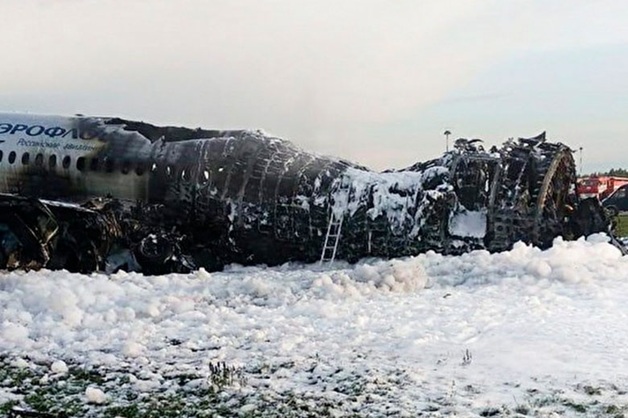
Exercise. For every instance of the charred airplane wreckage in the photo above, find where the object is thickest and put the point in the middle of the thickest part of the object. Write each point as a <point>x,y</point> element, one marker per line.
<point>97,194</point>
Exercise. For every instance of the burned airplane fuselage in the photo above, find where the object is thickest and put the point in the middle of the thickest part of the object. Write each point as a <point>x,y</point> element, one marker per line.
<point>81,192</point>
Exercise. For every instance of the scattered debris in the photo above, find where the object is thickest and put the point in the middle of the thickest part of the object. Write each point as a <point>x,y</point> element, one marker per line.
<point>23,413</point>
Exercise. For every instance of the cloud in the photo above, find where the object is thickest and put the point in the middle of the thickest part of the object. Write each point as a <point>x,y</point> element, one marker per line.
<point>320,72</point>
<point>346,63</point>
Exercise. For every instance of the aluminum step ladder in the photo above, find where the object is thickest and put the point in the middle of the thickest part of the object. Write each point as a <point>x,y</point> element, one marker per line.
<point>336,216</point>
<point>334,230</point>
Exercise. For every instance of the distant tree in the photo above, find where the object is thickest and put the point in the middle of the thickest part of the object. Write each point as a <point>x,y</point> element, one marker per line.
<point>619,172</point>
<point>615,172</point>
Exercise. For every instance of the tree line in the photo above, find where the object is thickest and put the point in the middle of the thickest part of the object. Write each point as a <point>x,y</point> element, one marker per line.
<point>613,172</point>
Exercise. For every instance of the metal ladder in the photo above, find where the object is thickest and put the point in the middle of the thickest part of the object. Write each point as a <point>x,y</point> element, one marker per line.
<point>333,231</point>
<point>336,216</point>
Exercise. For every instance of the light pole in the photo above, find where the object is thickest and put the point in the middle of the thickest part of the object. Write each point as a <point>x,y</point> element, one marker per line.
<point>447,133</point>
<point>581,161</point>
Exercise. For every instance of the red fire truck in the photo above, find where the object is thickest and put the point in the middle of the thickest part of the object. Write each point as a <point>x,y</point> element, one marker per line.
<point>599,186</point>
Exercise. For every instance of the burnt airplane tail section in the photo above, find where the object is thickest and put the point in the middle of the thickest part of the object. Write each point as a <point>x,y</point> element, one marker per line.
<point>131,195</point>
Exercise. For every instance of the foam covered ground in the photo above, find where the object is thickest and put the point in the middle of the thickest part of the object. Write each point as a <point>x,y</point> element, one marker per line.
<point>524,332</point>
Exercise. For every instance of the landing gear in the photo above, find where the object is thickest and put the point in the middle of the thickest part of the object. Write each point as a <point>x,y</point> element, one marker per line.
<point>154,250</point>
<point>160,253</point>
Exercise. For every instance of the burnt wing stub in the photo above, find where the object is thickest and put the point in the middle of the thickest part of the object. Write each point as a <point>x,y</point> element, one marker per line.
<point>162,199</point>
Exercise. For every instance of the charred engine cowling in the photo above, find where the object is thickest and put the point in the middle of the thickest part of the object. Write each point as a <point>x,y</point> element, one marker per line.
<point>162,199</point>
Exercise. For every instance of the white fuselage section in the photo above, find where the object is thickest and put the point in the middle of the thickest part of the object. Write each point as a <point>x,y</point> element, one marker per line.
<point>61,152</point>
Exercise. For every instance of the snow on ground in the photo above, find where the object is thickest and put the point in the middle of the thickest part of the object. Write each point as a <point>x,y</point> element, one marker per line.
<point>525,332</point>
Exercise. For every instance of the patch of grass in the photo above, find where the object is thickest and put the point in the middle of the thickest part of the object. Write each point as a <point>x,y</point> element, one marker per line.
<point>621,229</point>
<point>578,407</point>
<point>221,375</point>
<point>544,401</point>
<point>127,411</point>
<point>522,409</point>
<point>615,411</point>
<point>538,403</point>
<point>591,390</point>
<point>87,375</point>
<point>466,358</point>
<point>15,375</point>
<point>39,391</point>
<point>217,389</point>
<point>490,412</point>
<point>6,407</point>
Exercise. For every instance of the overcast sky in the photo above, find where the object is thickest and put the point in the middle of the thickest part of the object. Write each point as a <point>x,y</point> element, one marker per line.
<point>376,82</point>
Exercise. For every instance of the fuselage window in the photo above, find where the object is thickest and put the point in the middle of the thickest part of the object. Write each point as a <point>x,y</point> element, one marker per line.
<point>1,155</point>
<point>93,164</point>
<point>52,161</point>
<point>139,170</point>
<point>153,168</point>
<point>11,157</point>
<point>66,162</point>
<point>80,163</point>
<point>109,165</point>
<point>125,167</point>
<point>185,174</point>
<point>204,177</point>
<point>168,171</point>
<point>26,157</point>
<point>39,159</point>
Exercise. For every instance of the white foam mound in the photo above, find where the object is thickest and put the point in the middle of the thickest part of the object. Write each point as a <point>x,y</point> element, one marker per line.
<point>95,395</point>
<point>531,319</point>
